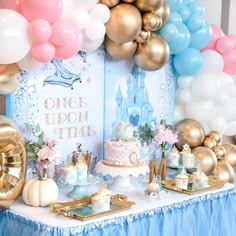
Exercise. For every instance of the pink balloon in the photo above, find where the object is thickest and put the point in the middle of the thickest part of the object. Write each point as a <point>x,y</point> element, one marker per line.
<point>217,33</point>
<point>230,69</point>
<point>43,52</point>
<point>14,5</point>
<point>39,31</point>
<point>224,44</point>
<point>71,48</point>
<point>62,32</point>
<point>233,39</point>
<point>49,10</point>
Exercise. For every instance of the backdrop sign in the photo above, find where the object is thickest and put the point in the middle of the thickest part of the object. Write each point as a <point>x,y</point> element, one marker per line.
<point>79,100</point>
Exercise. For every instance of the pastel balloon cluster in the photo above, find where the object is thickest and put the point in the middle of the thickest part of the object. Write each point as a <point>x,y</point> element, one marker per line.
<point>34,32</point>
<point>208,96</point>
<point>130,32</point>
<point>186,32</point>
<point>226,46</point>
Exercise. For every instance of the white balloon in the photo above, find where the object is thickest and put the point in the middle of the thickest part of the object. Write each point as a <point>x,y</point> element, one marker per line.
<point>230,129</point>
<point>90,45</point>
<point>28,63</point>
<point>67,9</point>
<point>100,12</point>
<point>228,110</point>
<point>183,95</point>
<point>212,61</point>
<point>95,30</point>
<point>184,81</point>
<point>217,124</point>
<point>81,18</point>
<point>178,113</point>
<point>85,4</point>
<point>205,86</point>
<point>14,41</point>
<point>204,111</point>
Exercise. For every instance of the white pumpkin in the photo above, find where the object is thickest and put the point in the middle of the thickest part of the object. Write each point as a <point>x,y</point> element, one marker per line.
<point>40,192</point>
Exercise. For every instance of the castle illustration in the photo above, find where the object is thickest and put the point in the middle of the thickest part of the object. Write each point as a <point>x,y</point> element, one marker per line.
<point>135,107</point>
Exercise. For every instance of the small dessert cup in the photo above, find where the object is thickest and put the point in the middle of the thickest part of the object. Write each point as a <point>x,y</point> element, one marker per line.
<point>100,204</point>
<point>181,181</point>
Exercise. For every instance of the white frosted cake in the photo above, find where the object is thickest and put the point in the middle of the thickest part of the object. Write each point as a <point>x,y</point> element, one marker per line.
<point>200,179</point>
<point>124,150</point>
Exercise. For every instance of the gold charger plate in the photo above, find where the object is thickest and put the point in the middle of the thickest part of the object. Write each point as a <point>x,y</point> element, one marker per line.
<point>81,209</point>
<point>213,183</point>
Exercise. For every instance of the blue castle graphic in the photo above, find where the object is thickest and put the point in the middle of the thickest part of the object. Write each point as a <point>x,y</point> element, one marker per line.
<point>136,107</point>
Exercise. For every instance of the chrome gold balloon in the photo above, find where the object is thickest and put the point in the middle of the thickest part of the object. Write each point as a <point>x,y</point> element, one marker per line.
<point>189,131</point>
<point>230,154</point>
<point>8,78</point>
<point>153,54</point>
<point>224,171</point>
<point>13,161</point>
<point>120,50</point>
<point>143,36</point>
<point>215,135</point>
<point>220,151</point>
<point>109,3</point>
<point>206,157</point>
<point>148,5</point>
<point>124,24</point>
<point>164,12</point>
<point>151,21</point>
<point>209,142</point>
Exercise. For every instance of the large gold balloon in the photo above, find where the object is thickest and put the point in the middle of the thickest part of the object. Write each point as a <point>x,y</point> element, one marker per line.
<point>128,1</point>
<point>189,131</point>
<point>224,171</point>
<point>124,24</point>
<point>8,78</point>
<point>151,21</point>
<point>230,154</point>
<point>164,12</point>
<point>206,157</point>
<point>13,161</point>
<point>148,5</point>
<point>109,3</point>
<point>153,54</point>
<point>120,50</point>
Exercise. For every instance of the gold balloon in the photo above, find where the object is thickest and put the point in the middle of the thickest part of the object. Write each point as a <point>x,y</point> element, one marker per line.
<point>110,3</point>
<point>153,54</point>
<point>124,24</point>
<point>164,12</point>
<point>230,154</point>
<point>224,171</point>
<point>13,161</point>
<point>209,142</point>
<point>128,1</point>
<point>148,5</point>
<point>206,157</point>
<point>143,36</point>
<point>8,78</point>
<point>120,50</point>
<point>219,151</point>
<point>215,135</point>
<point>151,21</point>
<point>189,131</point>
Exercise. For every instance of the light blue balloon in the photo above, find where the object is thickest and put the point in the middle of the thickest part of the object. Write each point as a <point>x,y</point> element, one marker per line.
<point>175,18</point>
<point>197,7</point>
<point>195,22</point>
<point>202,37</point>
<point>185,12</point>
<point>185,2</point>
<point>175,5</point>
<point>169,32</point>
<point>188,62</point>
<point>182,40</point>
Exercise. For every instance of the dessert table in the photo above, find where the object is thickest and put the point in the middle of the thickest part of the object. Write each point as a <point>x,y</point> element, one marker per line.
<point>176,214</point>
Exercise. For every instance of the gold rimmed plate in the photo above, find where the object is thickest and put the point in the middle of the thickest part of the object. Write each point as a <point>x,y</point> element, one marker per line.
<point>213,183</point>
<point>81,209</point>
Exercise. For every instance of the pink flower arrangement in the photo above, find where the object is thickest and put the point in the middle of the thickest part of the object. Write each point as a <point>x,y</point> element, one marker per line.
<point>164,134</point>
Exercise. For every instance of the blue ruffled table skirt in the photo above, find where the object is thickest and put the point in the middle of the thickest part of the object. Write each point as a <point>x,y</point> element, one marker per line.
<point>209,214</point>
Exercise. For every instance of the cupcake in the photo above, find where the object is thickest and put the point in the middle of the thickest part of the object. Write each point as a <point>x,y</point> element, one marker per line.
<point>101,200</point>
<point>181,181</point>
<point>70,174</point>
<point>153,187</point>
<point>188,157</point>
<point>200,179</point>
<point>173,157</point>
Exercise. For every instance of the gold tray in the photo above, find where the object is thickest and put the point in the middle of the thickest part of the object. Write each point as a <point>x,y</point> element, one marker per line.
<point>81,209</point>
<point>213,183</point>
